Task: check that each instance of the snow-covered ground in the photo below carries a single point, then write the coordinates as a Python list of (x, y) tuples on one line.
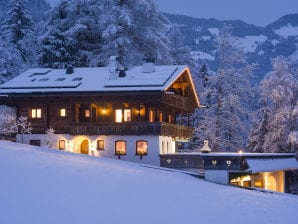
[(40, 186), (287, 31), (250, 43)]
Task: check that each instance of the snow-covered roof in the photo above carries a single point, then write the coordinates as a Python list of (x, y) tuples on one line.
[(92, 79), (269, 165)]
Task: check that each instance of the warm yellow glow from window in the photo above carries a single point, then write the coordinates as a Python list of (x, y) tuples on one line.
[(62, 144), (87, 113), (120, 147), (160, 116), (151, 116), (62, 112), (100, 144), (36, 113), (170, 118), (142, 148), (127, 115), (104, 111), (243, 181), (118, 115)]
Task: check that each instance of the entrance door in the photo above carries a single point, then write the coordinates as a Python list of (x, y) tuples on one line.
[(85, 147)]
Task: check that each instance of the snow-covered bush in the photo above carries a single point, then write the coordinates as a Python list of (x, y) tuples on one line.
[(50, 139), (23, 126)]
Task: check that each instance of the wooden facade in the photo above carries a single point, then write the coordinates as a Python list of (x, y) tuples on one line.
[(151, 113)]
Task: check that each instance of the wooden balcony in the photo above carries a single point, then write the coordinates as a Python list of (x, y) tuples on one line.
[(131, 128)]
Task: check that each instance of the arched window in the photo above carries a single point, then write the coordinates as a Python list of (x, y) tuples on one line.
[(141, 148), (120, 147)]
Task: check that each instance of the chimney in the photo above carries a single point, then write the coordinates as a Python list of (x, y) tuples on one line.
[(122, 72), (205, 148), (148, 66), (69, 69), (113, 67)]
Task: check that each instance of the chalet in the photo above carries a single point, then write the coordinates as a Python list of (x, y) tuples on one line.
[(130, 114)]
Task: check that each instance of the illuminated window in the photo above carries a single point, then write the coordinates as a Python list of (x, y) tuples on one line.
[(170, 118), (62, 144), (100, 145), (62, 112), (160, 117), (127, 115), (118, 115), (151, 116), (142, 148), (120, 147), (35, 113), (87, 113)]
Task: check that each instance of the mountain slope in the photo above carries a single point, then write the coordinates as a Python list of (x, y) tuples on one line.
[(260, 43), (49, 186)]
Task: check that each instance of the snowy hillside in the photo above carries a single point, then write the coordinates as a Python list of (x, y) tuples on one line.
[(46, 186), (259, 43)]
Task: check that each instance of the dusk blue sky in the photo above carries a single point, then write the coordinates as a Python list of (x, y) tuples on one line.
[(258, 12)]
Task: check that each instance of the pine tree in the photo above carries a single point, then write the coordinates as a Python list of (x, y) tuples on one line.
[(179, 52), (134, 30), (228, 95), (18, 29), (10, 61)]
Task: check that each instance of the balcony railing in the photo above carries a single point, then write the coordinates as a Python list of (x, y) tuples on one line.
[(130, 128)]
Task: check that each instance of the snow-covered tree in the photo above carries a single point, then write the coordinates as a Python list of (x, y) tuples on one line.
[(23, 126), (277, 127), (11, 62), (7, 120), (179, 52), (18, 29), (72, 35), (228, 94), (134, 30), (50, 139)]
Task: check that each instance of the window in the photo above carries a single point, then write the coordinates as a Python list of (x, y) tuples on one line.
[(62, 144), (170, 118), (60, 79), (35, 113), (120, 147), (44, 79), (62, 112), (142, 148), (127, 115), (77, 79), (100, 145), (118, 115), (35, 142), (160, 117), (87, 113), (151, 116)]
